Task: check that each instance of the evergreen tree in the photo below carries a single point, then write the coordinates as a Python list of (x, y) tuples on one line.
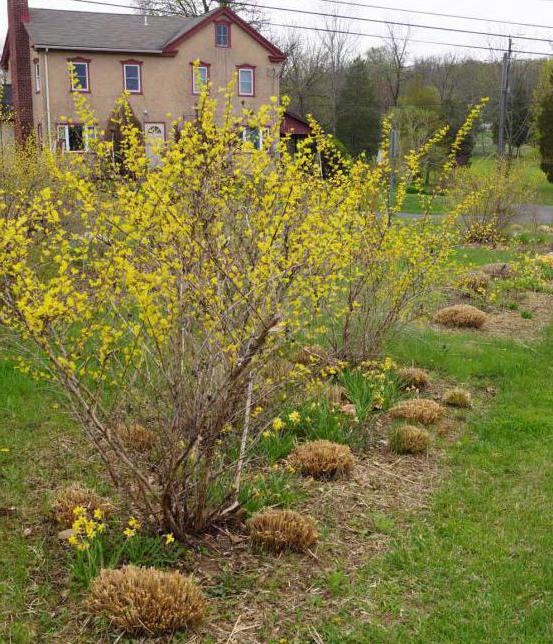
[(545, 130), (358, 118), (121, 118)]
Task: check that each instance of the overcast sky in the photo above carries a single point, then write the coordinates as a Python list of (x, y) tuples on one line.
[(539, 12)]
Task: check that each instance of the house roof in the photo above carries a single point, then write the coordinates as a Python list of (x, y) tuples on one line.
[(130, 33), (87, 30)]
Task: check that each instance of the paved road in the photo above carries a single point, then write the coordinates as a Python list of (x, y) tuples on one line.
[(528, 215)]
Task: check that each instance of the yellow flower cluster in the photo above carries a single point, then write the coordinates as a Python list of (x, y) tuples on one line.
[(85, 528)]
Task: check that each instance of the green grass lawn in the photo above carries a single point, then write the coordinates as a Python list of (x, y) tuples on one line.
[(485, 164), (478, 566), (532, 172)]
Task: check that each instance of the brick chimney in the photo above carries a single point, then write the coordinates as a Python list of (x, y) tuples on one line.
[(20, 68)]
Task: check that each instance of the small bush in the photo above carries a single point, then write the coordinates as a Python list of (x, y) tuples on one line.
[(498, 270), (408, 439), (458, 397), (526, 315), (420, 410), (136, 437), (322, 459), (279, 530), (414, 377), (462, 316), (137, 600), (74, 496)]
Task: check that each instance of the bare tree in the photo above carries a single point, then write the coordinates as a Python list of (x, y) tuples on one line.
[(397, 47), (197, 8), (337, 47), (303, 74)]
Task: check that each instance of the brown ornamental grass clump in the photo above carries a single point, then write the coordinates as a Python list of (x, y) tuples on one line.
[(498, 269), (336, 394), (476, 281), (136, 437), (418, 410), (279, 530), (322, 459), (458, 397), (414, 377), (146, 600), (462, 316), (77, 495), (311, 355), (408, 439)]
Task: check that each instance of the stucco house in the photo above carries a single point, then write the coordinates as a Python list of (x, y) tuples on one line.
[(151, 57)]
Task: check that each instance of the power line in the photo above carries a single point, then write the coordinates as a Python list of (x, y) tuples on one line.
[(396, 23), (424, 42), (353, 33), (437, 14)]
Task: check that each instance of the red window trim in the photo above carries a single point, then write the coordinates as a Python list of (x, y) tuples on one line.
[(87, 62), (139, 64), (252, 68), (201, 64), (36, 61), (228, 23)]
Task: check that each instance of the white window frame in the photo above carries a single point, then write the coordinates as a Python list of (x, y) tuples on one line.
[(74, 79), (89, 134), (38, 80), (245, 136), (226, 25), (139, 68), (195, 77), (251, 72)]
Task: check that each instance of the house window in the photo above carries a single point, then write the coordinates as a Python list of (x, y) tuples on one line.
[(38, 85), (75, 138), (254, 136), (222, 34), (80, 76), (132, 76), (246, 81), (200, 78)]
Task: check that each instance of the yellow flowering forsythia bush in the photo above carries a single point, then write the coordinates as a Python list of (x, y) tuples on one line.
[(159, 296), (389, 267)]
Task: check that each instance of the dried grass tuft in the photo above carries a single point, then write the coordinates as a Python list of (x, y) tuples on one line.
[(279, 530), (476, 281), (322, 459), (414, 377), (77, 495), (498, 269), (136, 437), (461, 315), (419, 410), (336, 394), (408, 439), (146, 600), (311, 355), (458, 397)]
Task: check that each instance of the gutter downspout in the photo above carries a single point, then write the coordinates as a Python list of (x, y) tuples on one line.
[(48, 118)]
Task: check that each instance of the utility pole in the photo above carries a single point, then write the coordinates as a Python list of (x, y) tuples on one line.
[(503, 99), (394, 150)]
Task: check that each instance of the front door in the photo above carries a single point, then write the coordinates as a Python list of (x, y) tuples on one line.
[(154, 134)]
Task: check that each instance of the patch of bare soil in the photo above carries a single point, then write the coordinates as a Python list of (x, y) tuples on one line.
[(511, 324), (258, 597)]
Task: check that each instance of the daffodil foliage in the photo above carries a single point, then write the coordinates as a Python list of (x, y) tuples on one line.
[(160, 295)]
